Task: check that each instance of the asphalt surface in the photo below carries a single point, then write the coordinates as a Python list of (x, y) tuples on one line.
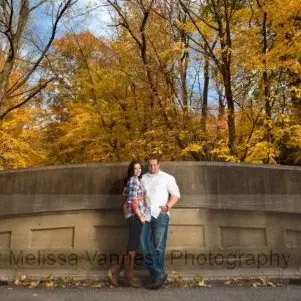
[(221, 293)]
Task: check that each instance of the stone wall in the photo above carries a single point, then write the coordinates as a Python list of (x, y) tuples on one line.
[(229, 216)]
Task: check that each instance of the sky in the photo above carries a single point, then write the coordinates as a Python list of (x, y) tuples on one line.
[(85, 15), (98, 20), (91, 15)]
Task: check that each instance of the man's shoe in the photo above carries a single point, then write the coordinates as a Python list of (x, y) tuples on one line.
[(158, 283), (165, 277)]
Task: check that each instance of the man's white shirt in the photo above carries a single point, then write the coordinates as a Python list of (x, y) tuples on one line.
[(157, 188)]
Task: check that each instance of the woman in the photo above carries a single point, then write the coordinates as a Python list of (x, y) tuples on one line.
[(136, 213)]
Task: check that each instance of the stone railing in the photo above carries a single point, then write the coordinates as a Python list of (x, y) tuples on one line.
[(229, 216)]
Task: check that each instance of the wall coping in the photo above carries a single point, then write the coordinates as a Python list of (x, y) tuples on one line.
[(163, 163), (98, 186)]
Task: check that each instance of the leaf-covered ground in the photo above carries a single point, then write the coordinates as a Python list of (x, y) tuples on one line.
[(175, 280)]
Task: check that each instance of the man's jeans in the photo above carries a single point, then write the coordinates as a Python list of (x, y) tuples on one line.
[(153, 243)]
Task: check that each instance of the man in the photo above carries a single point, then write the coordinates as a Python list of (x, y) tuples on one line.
[(161, 194)]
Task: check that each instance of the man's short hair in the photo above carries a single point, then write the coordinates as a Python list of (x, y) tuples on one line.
[(153, 158)]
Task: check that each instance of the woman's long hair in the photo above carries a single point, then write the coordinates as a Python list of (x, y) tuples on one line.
[(131, 170)]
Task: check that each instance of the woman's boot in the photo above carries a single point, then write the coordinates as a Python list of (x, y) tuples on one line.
[(128, 270), (113, 272)]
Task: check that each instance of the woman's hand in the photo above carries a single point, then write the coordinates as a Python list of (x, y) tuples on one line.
[(124, 207), (142, 219), (140, 198)]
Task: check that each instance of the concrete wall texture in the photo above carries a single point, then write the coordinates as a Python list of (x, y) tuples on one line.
[(229, 216)]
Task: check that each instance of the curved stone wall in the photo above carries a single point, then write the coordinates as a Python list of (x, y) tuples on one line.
[(229, 216)]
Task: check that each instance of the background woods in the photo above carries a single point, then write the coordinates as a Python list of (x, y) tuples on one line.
[(188, 80)]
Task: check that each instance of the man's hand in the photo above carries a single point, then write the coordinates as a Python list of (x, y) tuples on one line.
[(164, 209)]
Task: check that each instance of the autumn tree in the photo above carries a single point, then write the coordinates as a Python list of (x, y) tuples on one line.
[(213, 21), (21, 53), (214, 80)]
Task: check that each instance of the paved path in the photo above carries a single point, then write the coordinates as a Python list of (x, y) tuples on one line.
[(224, 293)]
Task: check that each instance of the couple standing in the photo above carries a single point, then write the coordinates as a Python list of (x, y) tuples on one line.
[(148, 200)]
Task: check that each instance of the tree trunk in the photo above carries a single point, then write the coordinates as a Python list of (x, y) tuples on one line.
[(14, 45), (205, 95), (230, 113), (221, 111), (266, 87)]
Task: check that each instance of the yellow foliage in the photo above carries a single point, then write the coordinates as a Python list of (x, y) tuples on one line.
[(222, 152), (112, 104), (169, 54), (20, 141), (262, 153)]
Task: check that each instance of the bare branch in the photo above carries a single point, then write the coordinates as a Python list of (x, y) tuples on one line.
[(207, 45), (60, 14), (38, 5), (29, 97), (124, 22)]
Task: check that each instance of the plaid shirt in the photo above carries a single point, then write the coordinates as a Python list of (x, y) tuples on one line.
[(131, 191)]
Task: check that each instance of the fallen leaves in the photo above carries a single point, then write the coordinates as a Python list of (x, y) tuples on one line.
[(254, 282), (175, 280), (34, 284), (59, 282)]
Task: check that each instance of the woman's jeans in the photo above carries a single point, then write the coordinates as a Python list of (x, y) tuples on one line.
[(153, 243)]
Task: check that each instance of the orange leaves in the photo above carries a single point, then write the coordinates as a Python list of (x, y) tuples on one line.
[(20, 140), (143, 91), (80, 45)]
